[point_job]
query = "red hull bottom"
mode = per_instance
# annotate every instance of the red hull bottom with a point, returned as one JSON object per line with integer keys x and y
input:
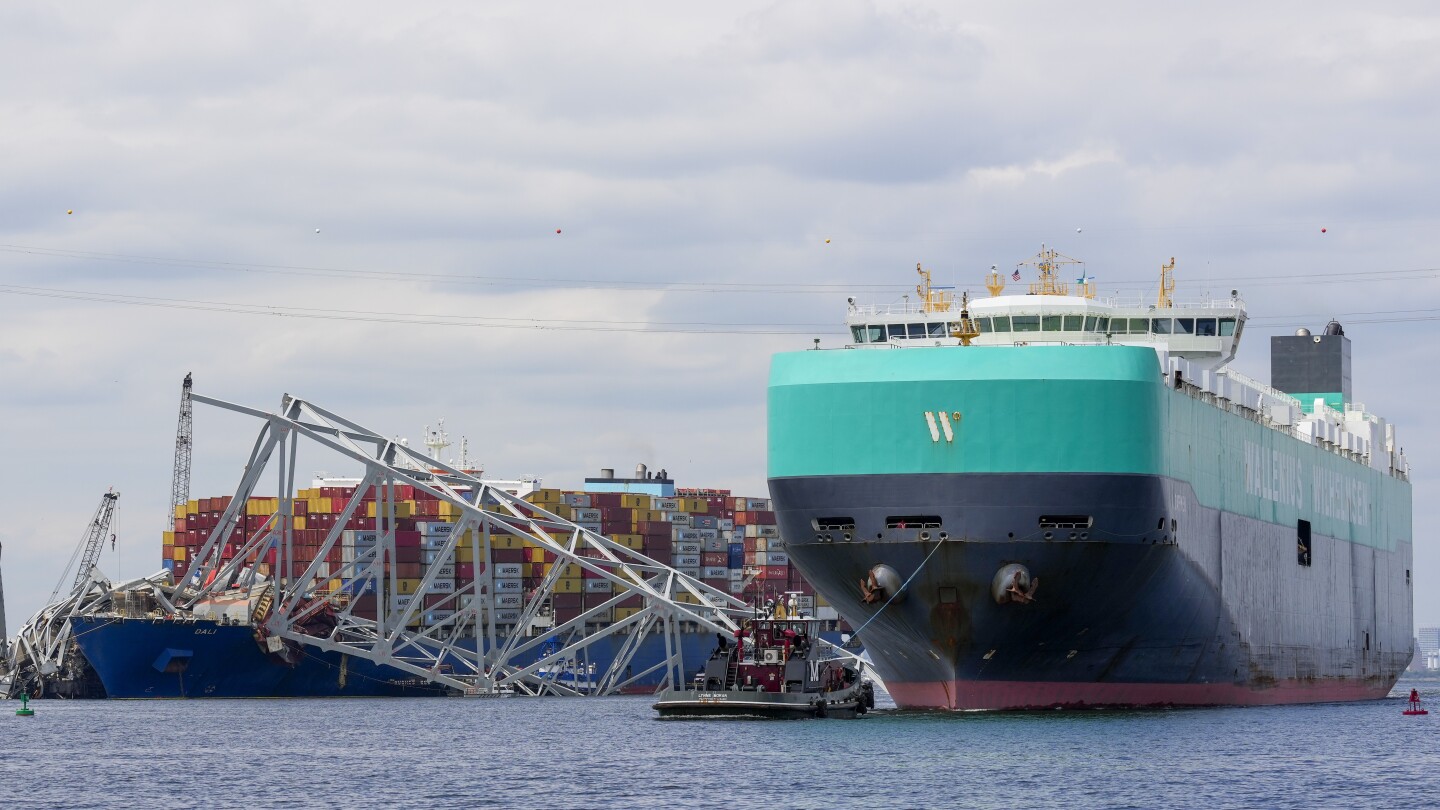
{"x": 997, "y": 695}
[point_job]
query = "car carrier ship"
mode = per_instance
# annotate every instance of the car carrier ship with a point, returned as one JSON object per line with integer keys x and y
{"x": 1055, "y": 500}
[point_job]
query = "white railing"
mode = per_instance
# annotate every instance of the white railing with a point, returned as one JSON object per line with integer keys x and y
{"x": 1036, "y": 305}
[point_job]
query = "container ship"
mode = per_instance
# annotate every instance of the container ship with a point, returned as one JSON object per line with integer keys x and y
{"x": 1055, "y": 500}
{"x": 141, "y": 650}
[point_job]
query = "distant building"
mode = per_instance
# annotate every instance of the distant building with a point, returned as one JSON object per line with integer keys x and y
{"x": 1428, "y": 647}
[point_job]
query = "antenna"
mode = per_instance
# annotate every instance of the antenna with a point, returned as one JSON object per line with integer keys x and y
{"x": 994, "y": 282}
{"x": 1167, "y": 284}
{"x": 436, "y": 440}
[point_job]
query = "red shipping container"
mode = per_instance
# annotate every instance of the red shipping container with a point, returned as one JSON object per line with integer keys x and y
{"x": 409, "y": 539}
{"x": 508, "y": 555}
{"x": 603, "y": 499}
{"x": 774, "y": 572}
{"x": 617, "y": 514}
{"x": 632, "y": 602}
{"x": 407, "y": 555}
{"x": 465, "y": 571}
{"x": 408, "y": 570}
{"x": 565, "y": 600}
{"x": 714, "y": 558}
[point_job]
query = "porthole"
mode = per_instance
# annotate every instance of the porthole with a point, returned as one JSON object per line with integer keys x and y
{"x": 924, "y": 535}
{"x": 1072, "y": 535}
{"x": 946, "y": 536}
{"x": 1049, "y": 535}
{"x": 847, "y": 537}
{"x": 1084, "y": 535}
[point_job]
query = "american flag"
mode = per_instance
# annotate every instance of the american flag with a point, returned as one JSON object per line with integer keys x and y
{"x": 1016, "y": 275}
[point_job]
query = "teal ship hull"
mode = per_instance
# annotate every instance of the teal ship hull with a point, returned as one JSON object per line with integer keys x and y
{"x": 1175, "y": 548}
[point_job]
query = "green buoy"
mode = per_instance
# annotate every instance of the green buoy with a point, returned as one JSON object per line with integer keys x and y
{"x": 24, "y": 710}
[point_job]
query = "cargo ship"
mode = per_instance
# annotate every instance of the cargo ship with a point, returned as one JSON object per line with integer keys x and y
{"x": 217, "y": 649}
{"x": 1057, "y": 500}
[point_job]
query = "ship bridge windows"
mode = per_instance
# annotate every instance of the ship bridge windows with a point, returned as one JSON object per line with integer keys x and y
{"x": 1160, "y": 326}
{"x": 1001, "y": 323}
{"x": 1026, "y": 323}
{"x": 1227, "y": 327}
{"x": 895, "y": 330}
{"x": 833, "y": 524}
{"x": 912, "y": 522}
{"x": 1074, "y": 323}
{"x": 1184, "y": 326}
{"x": 1205, "y": 327}
{"x": 937, "y": 329}
{"x": 1051, "y": 323}
{"x": 916, "y": 330}
{"x": 1066, "y": 521}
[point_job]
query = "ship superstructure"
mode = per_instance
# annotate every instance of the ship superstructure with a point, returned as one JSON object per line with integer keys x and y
{"x": 1201, "y": 537}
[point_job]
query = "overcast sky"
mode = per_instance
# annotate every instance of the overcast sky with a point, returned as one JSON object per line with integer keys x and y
{"x": 572, "y": 187}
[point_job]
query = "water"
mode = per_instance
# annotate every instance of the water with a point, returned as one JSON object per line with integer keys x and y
{"x": 612, "y": 752}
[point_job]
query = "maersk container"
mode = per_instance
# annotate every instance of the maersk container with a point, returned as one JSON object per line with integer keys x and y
{"x": 432, "y": 528}
{"x": 597, "y": 586}
{"x": 441, "y": 586}
{"x": 685, "y": 548}
{"x": 715, "y": 572}
{"x": 686, "y": 535}
{"x": 509, "y": 585}
{"x": 508, "y": 570}
{"x": 687, "y": 561}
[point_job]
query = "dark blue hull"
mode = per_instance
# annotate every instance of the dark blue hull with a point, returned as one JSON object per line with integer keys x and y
{"x": 162, "y": 658}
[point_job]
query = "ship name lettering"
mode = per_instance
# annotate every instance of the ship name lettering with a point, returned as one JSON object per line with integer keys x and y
{"x": 201, "y": 631}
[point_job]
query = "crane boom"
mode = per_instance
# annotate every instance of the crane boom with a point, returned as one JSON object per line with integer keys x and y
{"x": 88, "y": 551}
{"x": 184, "y": 436}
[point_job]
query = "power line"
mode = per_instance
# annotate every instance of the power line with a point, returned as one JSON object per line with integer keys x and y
{"x": 424, "y": 319}
{"x": 647, "y": 285}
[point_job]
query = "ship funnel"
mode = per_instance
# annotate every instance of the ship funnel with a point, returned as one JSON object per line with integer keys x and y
{"x": 607, "y": 472}
{"x": 640, "y": 471}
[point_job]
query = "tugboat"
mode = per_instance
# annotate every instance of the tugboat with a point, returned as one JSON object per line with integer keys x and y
{"x": 775, "y": 668}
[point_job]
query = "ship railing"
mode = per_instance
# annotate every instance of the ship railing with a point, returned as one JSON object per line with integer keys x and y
{"x": 906, "y": 308}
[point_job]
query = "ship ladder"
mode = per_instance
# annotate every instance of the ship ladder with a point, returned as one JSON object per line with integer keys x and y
{"x": 732, "y": 672}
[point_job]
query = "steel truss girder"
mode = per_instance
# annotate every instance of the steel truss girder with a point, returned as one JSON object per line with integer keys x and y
{"x": 436, "y": 652}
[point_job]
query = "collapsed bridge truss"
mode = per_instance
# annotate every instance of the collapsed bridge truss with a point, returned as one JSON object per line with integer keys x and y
{"x": 312, "y": 603}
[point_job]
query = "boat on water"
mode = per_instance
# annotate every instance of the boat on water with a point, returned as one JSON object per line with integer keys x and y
{"x": 1058, "y": 500}
{"x": 777, "y": 668}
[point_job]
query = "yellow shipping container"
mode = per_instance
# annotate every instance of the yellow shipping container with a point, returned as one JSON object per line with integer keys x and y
{"x": 177, "y": 553}
{"x": 299, "y": 521}
{"x": 181, "y": 510}
{"x": 634, "y": 501}
{"x": 687, "y": 597}
{"x": 621, "y": 614}
{"x": 505, "y": 541}
{"x": 167, "y": 538}
{"x": 192, "y": 508}
{"x": 406, "y": 586}
{"x": 571, "y": 571}
{"x": 542, "y": 496}
{"x": 634, "y": 541}
{"x": 569, "y": 585}
{"x": 401, "y": 511}
{"x": 464, "y": 554}
{"x": 560, "y": 510}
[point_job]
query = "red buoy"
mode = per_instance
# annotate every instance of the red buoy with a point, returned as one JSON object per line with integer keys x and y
{"x": 1414, "y": 704}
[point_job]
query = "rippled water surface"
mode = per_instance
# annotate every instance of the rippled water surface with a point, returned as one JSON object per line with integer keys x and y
{"x": 612, "y": 752}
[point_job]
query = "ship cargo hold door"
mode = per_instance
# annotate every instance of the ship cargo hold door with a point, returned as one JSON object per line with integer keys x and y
{"x": 1362, "y": 583}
